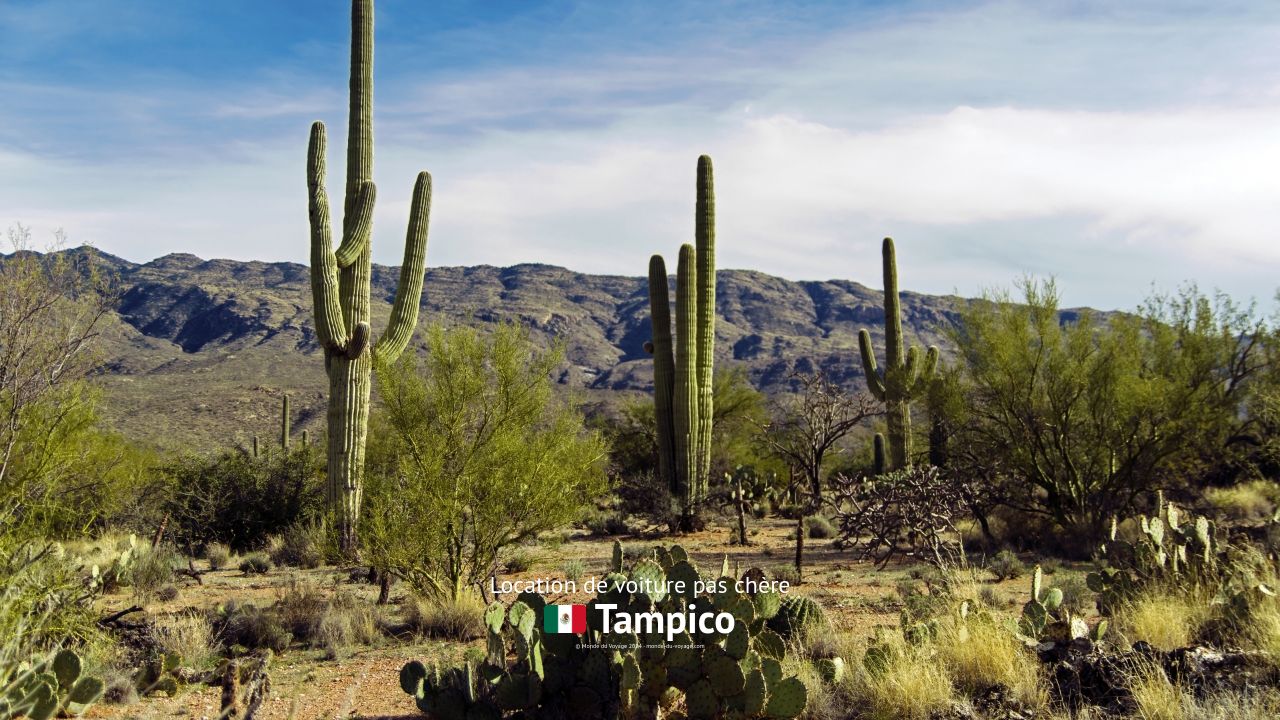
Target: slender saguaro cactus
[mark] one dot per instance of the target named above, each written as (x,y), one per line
(903,379)
(683,370)
(705,239)
(284,423)
(340,283)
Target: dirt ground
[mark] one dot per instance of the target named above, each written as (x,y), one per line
(364,684)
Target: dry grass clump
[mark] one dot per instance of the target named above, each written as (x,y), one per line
(898,681)
(1165,619)
(218,555)
(1250,502)
(461,619)
(189,636)
(330,623)
(1157,698)
(980,653)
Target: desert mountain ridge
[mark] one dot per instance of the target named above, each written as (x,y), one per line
(197,353)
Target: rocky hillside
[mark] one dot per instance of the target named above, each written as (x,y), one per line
(199,351)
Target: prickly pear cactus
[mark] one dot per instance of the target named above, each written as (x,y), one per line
(530,672)
(44,689)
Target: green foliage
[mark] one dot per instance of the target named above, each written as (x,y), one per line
(474,454)
(304,544)
(819,527)
(239,500)
(903,379)
(738,674)
(1006,565)
(798,617)
(46,598)
(255,564)
(1074,416)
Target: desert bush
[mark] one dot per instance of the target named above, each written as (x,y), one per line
(519,561)
(606,523)
(784,572)
(1006,565)
(574,569)
(44,601)
(304,544)
(250,627)
(1250,502)
(819,527)
(167,593)
(1076,595)
(474,452)
(332,623)
(239,500)
(1107,406)
(188,635)
(255,564)
(218,555)
(153,568)
(460,619)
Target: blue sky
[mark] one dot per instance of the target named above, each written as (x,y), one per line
(1114,145)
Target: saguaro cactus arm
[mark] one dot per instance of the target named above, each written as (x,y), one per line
(330,326)
(358,227)
(404,313)
(874,382)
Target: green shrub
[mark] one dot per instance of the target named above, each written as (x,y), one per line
(519,561)
(1006,566)
(153,568)
(819,527)
(250,627)
(218,555)
(574,569)
(784,572)
(255,564)
(332,623)
(303,544)
(239,500)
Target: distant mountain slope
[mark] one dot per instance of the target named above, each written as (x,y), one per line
(199,351)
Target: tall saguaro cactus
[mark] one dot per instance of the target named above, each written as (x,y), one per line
(903,379)
(683,370)
(340,283)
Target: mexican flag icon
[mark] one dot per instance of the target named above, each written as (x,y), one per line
(564,619)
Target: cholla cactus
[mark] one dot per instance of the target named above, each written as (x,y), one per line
(340,282)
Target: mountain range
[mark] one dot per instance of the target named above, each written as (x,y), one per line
(197,353)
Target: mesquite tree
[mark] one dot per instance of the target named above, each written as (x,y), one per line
(340,283)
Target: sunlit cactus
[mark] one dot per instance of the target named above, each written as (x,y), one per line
(340,283)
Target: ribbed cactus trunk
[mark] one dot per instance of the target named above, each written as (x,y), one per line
(686,394)
(683,374)
(340,283)
(903,380)
(705,239)
(663,370)
(877,454)
(284,423)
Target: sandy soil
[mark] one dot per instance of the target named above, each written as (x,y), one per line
(364,684)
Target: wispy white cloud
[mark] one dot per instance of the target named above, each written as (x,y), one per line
(1114,147)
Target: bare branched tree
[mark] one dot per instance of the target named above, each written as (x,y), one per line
(805,431)
(806,427)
